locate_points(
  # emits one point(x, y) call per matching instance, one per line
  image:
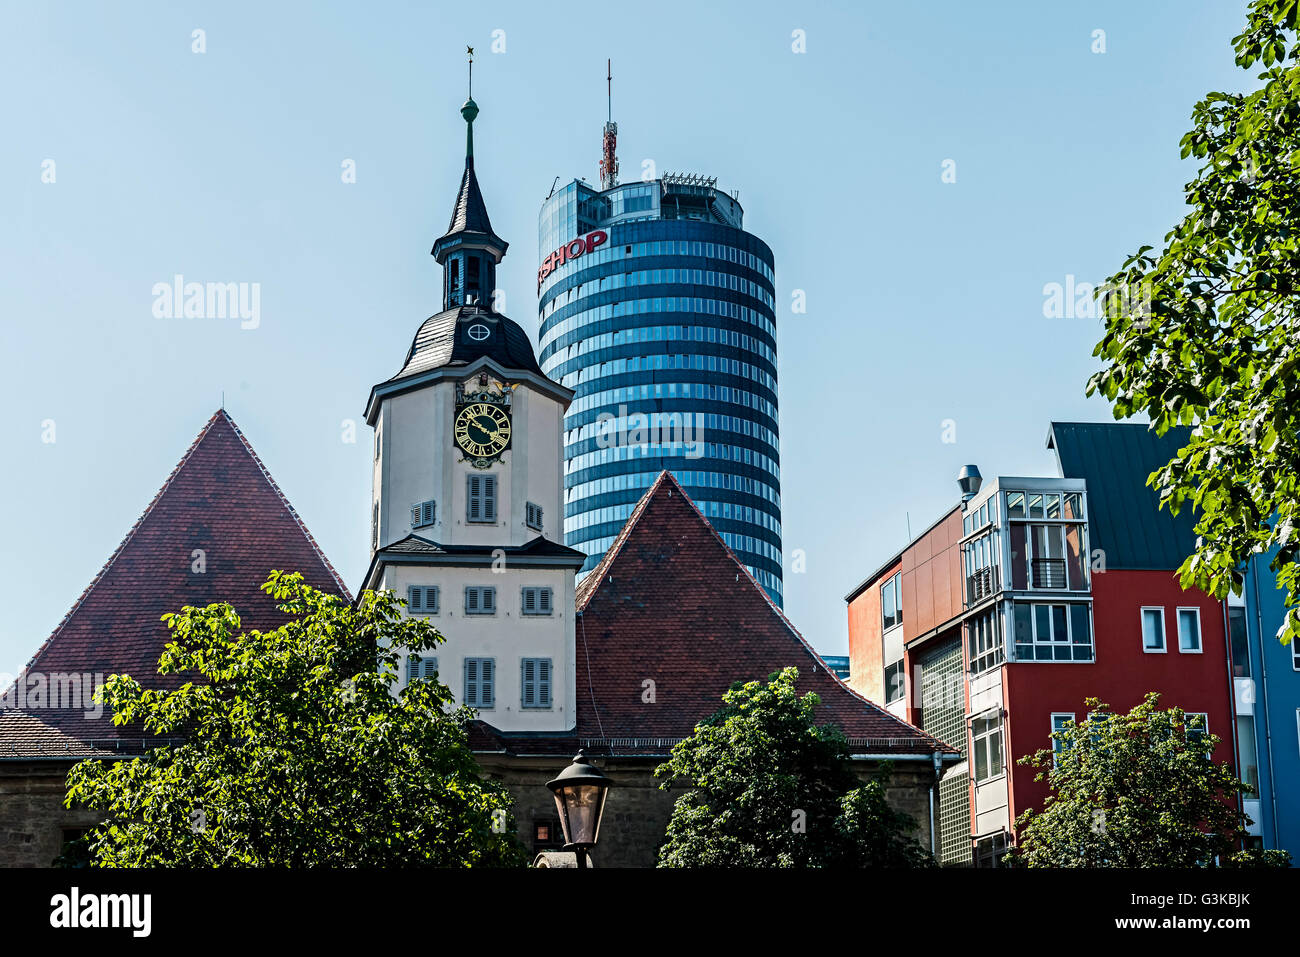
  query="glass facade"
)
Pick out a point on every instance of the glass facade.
point(663, 323)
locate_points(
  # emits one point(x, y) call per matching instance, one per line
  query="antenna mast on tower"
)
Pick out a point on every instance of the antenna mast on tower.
point(608, 161)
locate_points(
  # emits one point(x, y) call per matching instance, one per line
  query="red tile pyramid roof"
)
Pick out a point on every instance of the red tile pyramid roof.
point(219, 499)
point(670, 603)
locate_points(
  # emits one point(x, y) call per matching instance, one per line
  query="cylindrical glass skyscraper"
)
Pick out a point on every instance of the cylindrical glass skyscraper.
point(657, 309)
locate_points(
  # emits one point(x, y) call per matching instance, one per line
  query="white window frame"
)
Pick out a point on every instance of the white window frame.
point(1204, 729)
point(895, 583)
point(1038, 642)
point(990, 656)
point(996, 717)
point(1200, 635)
point(1164, 630)
point(1057, 746)
point(897, 668)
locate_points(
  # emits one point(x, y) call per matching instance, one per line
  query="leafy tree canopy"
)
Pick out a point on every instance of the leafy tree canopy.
point(768, 787)
point(1135, 790)
point(297, 750)
point(1205, 332)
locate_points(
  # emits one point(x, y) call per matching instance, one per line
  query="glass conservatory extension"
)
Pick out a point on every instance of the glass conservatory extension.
point(1027, 573)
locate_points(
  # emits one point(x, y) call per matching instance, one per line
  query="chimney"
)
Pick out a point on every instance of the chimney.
point(969, 480)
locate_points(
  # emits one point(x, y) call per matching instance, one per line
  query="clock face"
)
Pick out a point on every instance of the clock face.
point(482, 430)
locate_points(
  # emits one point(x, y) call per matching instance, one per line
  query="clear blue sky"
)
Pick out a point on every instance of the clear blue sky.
point(925, 299)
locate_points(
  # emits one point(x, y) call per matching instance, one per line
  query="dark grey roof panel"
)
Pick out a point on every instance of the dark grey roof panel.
point(444, 340)
point(470, 212)
point(1125, 517)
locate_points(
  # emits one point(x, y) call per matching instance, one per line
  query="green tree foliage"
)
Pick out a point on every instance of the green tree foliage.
point(768, 787)
point(1135, 790)
point(1206, 331)
point(297, 752)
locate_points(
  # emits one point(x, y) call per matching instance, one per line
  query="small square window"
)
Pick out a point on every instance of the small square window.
point(480, 600)
point(1015, 505)
point(422, 599)
point(423, 513)
point(535, 601)
point(421, 669)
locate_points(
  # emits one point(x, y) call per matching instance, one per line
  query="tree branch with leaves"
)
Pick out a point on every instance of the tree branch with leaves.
point(1206, 331)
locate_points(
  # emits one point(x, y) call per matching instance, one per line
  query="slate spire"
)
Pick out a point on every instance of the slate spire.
point(469, 251)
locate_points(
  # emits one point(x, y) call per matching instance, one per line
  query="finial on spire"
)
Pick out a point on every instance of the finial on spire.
point(469, 110)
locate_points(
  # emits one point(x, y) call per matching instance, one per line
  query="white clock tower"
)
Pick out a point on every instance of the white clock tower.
point(467, 509)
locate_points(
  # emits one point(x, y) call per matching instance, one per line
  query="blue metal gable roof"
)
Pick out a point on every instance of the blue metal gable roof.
point(1124, 515)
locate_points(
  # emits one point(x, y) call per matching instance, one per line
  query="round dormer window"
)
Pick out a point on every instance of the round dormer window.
point(478, 332)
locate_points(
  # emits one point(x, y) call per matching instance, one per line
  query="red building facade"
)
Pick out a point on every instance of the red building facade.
point(1030, 597)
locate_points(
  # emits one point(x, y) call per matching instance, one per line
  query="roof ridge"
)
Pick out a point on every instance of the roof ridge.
point(587, 587)
point(220, 415)
point(666, 476)
point(790, 625)
point(85, 593)
point(293, 512)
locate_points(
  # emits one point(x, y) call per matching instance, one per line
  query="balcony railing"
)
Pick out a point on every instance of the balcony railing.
point(982, 583)
point(1048, 572)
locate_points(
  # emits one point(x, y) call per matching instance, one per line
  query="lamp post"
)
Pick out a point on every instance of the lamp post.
point(580, 792)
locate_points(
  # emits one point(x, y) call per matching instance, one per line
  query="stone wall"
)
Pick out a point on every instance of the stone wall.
point(33, 818)
point(637, 811)
point(32, 815)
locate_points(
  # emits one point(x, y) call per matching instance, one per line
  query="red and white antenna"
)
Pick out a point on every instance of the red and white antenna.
point(608, 161)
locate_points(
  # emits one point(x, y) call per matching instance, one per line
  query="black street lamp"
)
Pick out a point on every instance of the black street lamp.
point(580, 793)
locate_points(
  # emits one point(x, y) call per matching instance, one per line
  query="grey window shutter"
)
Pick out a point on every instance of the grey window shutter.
point(471, 681)
point(527, 682)
point(489, 498)
point(487, 683)
point(471, 599)
point(544, 601)
point(489, 599)
point(413, 597)
point(473, 492)
point(415, 516)
point(410, 669)
point(544, 682)
point(428, 511)
point(431, 600)
point(529, 601)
